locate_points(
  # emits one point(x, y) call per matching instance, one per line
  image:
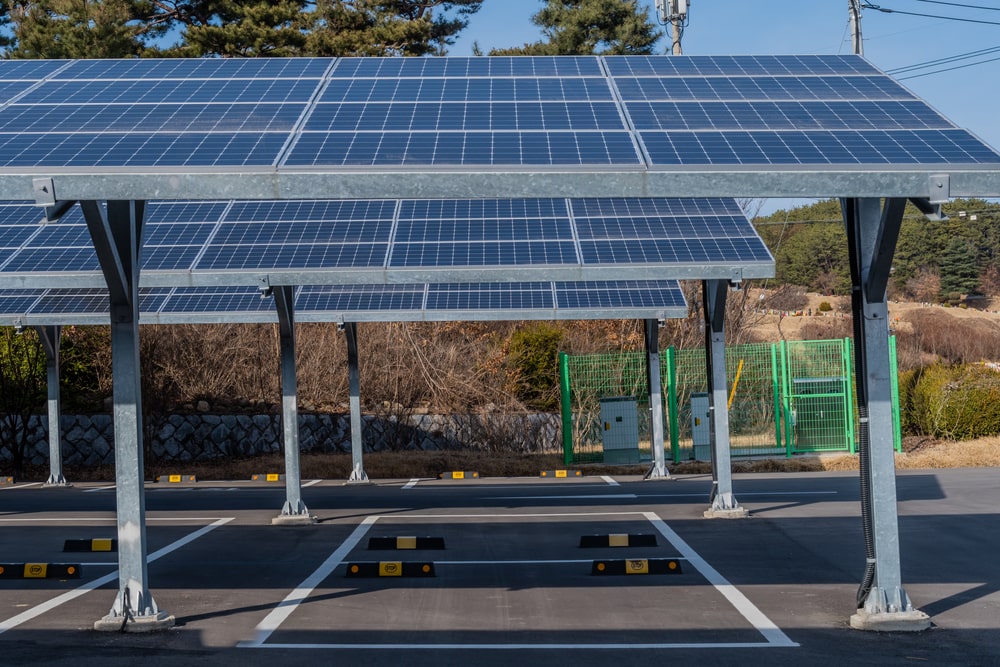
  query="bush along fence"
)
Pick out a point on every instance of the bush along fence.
point(784, 398)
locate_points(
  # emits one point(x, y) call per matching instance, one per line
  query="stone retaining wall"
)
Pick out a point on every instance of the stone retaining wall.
point(88, 440)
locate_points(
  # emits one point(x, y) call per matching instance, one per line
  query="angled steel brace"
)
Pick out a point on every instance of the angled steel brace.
point(872, 232)
point(294, 510)
point(354, 380)
point(49, 337)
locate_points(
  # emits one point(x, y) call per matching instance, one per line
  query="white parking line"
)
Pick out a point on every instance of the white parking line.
point(412, 483)
point(111, 519)
point(38, 610)
point(610, 480)
point(311, 483)
point(99, 488)
point(601, 496)
point(19, 486)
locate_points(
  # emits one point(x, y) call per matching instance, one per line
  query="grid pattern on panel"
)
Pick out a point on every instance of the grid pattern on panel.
point(18, 301)
point(153, 113)
point(620, 294)
point(490, 296)
point(216, 300)
point(360, 298)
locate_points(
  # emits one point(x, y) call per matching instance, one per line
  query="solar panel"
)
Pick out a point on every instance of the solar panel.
point(793, 65)
point(584, 89)
point(197, 68)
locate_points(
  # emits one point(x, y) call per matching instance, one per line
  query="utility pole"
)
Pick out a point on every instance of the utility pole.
point(854, 6)
point(675, 12)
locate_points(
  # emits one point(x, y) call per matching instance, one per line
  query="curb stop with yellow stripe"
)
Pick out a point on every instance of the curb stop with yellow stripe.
point(6, 480)
point(267, 477)
point(405, 542)
point(39, 570)
point(637, 566)
point(390, 569)
point(459, 474)
point(91, 545)
point(618, 540)
point(560, 474)
point(176, 479)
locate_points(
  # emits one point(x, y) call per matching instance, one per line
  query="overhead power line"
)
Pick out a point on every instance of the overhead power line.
point(959, 4)
point(944, 61)
point(948, 69)
point(886, 10)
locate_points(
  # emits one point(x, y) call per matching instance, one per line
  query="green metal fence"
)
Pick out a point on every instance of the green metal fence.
point(784, 398)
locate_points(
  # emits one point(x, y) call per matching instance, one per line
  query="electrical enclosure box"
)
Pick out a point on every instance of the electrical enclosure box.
point(701, 429)
point(620, 429)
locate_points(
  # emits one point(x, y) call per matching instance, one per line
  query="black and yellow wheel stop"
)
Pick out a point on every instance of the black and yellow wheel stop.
point(560, 474)
point(618, 540)
point(390, 569)
point(637, 566)
point(406, 542)
point(39, 571)
point(176, 479)
point(459, 474)
point(96, 544)
point(6, 480)
point(267, 477)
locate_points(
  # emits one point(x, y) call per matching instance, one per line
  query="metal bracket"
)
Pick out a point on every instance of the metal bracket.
point(45, 195)
point(939, 187)
point(930, 210)
point(264, 285)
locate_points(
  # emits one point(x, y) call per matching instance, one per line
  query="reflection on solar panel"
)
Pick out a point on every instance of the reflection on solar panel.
point(359, 303)
point(623, 111)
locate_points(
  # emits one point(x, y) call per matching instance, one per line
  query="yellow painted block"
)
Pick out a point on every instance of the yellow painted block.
point(390, 569)
point(637, 567)
point(560, 473)
point(406, 542)
point(273, 477)
point(458, 475)
point(100, 545)
point(174, 478)
point(35, 570)
point(620, 540)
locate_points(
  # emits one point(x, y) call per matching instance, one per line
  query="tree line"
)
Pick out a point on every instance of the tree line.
point(935, 260)
point(253, 28)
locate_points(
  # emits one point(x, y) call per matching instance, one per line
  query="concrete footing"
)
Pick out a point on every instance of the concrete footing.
point(153, 623)
point(734, 513)
point(57, 485)
point(293, 520)
point(900, 621)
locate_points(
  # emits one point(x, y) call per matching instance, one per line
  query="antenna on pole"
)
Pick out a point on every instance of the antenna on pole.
point(674, 12)
point(854, 6)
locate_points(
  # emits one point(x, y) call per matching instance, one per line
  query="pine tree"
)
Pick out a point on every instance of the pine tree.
point(959, 270)
point(79, 28)
point(581, 27)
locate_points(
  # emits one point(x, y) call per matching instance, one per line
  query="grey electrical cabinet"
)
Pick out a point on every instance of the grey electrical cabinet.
point(701, 429)
point(620, 429)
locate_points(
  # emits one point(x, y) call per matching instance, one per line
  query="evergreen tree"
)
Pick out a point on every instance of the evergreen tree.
point(581, 27)
point(79, 28)
point(959, 269)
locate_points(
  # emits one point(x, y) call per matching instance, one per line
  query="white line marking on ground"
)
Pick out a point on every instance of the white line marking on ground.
point(19, 486)
point(99, 488)
point(602, 496)
point(741, 495)
point(110, 519)
point(521, 562)
point(291, 602)
point(38, 610)
point(311, 483)
point(610, 480)
point(515, 647)
point(412, 483)
point(508, 516)
point(771, 632)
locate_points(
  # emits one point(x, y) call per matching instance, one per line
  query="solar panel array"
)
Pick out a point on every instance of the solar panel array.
point(323, 114)
point(364, 241)
point(358, 303)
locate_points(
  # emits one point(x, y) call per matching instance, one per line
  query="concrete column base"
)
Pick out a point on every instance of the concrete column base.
point(657, 473)
point(154, 623)
point(735, 513)
point(57, 485)
point(900, 621)
point(293, 520)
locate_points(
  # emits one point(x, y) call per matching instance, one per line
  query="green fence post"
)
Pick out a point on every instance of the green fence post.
point(777, 395)
point(567, 408)
point(897, 428)
point(786, 403)
point(672, 411)
point(847, 363)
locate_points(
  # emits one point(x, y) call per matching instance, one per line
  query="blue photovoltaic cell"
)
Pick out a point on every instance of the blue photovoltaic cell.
point(664, 228)
point(438, 231)
point(887, 115)
point(634, 207)
point(620, 294)
point(461, 148)
point(8, 89)
point(218, 301)
point(762, 89)
point(194, 149)
point(875, 147)
point(464, 209)
point(167, 258)
point(197, 68)
point(276, 233)
point(294, 256)
point(11, 214)
point(683, 251)
point(502, 253)
point(184, 91)
point(150, 117)
point(59, 235)
point(360, 298)
point(589, 89)
point(14, 236)
point(18, 302)
point(321, 210)
point(465, 116)
point(497, 66)
point(90, 301)
point(26, 70)
point(190, 233)
point(490, 296)
point(737, 65)
point(184, 211)
point(52, 259)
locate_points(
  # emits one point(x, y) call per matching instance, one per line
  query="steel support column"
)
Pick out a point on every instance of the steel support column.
point(872, 231)
point(659, 468)
point(116, 231)
point(724, 504)
point(354, 381)
point(49, 337)
point(294, 511)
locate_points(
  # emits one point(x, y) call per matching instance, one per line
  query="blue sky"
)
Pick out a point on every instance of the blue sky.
point(967, 96)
